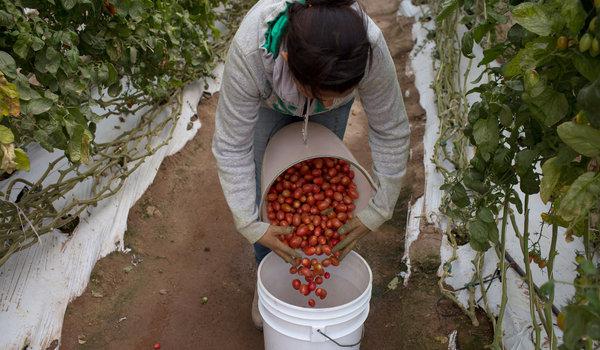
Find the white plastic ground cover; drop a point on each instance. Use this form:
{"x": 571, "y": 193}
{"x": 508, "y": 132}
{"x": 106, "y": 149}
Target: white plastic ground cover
{"x": 36, "y": 284}
{"x": 517, "y": 323}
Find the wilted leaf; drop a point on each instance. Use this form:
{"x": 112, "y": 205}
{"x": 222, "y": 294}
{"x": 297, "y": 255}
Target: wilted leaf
{"x": 21, "y": 159}
{"x": 6, "y": 136}
{"x": 581, "y": 197}
{"x": 582, "y": 138}
{"x": 551, "y": 170}
{"x": 533, "y": 17}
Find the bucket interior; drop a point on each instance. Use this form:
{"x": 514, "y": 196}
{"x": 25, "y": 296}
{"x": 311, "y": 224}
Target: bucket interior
{"x": 364, "y": 186}
{"x": 347, "y": 283}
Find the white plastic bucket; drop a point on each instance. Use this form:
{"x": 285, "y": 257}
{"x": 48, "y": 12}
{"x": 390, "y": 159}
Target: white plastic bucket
{"x": 287, "y": 148}
{"x": 288, "y": 322}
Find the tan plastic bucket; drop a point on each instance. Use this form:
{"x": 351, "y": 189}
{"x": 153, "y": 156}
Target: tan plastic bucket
{"x": 287, "y": 148}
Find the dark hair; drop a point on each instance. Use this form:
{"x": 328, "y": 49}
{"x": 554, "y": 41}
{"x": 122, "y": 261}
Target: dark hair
{"x": 327, "y": 44}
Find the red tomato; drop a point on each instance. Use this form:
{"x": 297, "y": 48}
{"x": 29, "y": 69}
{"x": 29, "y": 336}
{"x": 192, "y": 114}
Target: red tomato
{"x": 311, "y": 302}
{"x": 295, "y": 242}
{"x": 321, "y": 240}
{"x": 312, "y": 286}
{"x": 304, "y": 289}
{"x": 318, "y": 250}
{"x": 306, "y": 262}
{"x": 319, "y": 280}
{"x": 327, "y": 250}
{"x": 327, "y": 275}
{"x": 331, "y": 172}
{"x": 310, "y": 251}
{"x": 343, "y": 217}
{"x": 341, "y": 208}
{"x": 345, "y": 180}
{"x": 296, "y": 220}
{"x": 323, "y": 294}
{"x": 318, "y": 181}
{"x": 296, "y": 284}
{"x": 338, "y": 197}
{"x": 156, "y": 346}
{"x": 313, "y": 241}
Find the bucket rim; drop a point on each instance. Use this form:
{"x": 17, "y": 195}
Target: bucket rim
{"x": 368, "y": 290}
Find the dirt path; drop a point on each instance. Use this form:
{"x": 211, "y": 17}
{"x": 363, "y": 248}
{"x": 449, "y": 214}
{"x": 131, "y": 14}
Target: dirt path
{"x": 185, "y": 248}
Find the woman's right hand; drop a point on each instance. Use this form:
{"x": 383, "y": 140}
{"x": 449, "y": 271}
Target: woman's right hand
{"x": 271, "y": 241}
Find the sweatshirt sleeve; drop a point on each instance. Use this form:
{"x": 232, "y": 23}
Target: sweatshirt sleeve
{"x": 389, "y": 134}
{"x": 237, "y": 113}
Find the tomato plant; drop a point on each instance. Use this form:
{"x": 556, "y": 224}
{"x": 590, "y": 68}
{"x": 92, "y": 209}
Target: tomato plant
{"x": 541, "y": 105}
{"x": 66, "y": 64}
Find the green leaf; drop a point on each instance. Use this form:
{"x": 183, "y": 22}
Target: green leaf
{"x": 21, "y": 159}
{"x": 529, "y": 182}
{"x": 38, "y": 106}
{"x": 525, "y": 160}
{"x": 586, "y": 66}
{"x": 491, "y": 54}
{"x": 486, "y": 215}
{"x": 551, "y": 106}
{"x": 547, "y": 288}
{"x": 483, "y": 232}
{"x": 466, "y": 45}
{"x": 8, "y": 66}
{"x": 551, "y": 170}
{"x": 486, "y": 135}
{"x": 582, "y": 138}
{"x": 481, "y": 30}
{"x": 448, "y": 8}
{"x": 580, "y": 322}
{"x": 21, "y": 46}
{"x": 533, "y": 17}
{"x": 588, "y": 100}
{"x": 74, "y": 149}
{"x": 459, "y": 196}
{"x": 68, "y": 4}
{"x": 6, "y": 136}
{"x": 581, "y": 197}
{"x": 26, "y": 93}
{"x": 573, "y": 14}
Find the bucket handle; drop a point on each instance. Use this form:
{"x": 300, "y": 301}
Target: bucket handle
{"x": 342, "y": 345}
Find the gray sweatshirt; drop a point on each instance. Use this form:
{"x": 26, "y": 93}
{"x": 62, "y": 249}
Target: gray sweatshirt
{"x": 257, "y": 76}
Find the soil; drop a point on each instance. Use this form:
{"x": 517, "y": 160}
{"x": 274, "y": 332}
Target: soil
{"x": 189, "y": 279}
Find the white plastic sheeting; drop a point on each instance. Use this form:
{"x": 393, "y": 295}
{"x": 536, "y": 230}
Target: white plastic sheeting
{"x": 517, "y": 322}
{"x": 36, "y": 284}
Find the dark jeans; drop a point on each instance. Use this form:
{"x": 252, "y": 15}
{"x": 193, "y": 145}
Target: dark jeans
{"x": 269, "y": 122}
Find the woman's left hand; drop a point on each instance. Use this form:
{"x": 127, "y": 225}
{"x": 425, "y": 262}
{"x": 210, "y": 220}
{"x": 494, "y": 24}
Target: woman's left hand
{"x": 355, "y": 230}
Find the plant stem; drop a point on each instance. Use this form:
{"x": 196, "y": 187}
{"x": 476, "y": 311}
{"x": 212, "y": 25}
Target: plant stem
{"x": 524, "y": 239}
{"x": 548, "y": 303}
{"x": 497, "y": 344}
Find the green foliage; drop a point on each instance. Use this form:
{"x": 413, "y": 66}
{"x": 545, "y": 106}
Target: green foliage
{"x": 55, "y": 54}
{"x": 540, "y": 107}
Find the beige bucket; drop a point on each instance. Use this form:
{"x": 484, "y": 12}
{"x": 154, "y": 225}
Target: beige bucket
{"x": 287, "y": 148}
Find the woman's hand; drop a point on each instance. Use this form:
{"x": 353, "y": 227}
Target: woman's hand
{"x": 271, "y": 241}
{"x": 355, "y": 230}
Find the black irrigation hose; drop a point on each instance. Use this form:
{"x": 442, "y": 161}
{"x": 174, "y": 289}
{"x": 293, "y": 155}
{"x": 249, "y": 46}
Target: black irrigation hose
{"x": 521, "y": 273}
{"x": 515, "y": 266}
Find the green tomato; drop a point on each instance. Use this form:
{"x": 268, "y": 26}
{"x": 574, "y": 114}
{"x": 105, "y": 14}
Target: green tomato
{"x": 593, "y": 24}
{"x": 562, "y": 43}
{"x": 585, "y": 42}
{"x": 595, "y": 49}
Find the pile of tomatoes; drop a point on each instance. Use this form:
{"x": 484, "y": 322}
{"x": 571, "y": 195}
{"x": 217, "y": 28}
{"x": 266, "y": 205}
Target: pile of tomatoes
{"x": 316, "y": 197}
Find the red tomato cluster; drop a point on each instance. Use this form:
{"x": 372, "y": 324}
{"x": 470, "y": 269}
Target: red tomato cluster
{"x": 316, "y": 197}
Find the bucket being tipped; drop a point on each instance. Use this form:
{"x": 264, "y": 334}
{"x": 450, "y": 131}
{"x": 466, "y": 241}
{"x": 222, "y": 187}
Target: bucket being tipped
{"x": 336, "y": 322}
